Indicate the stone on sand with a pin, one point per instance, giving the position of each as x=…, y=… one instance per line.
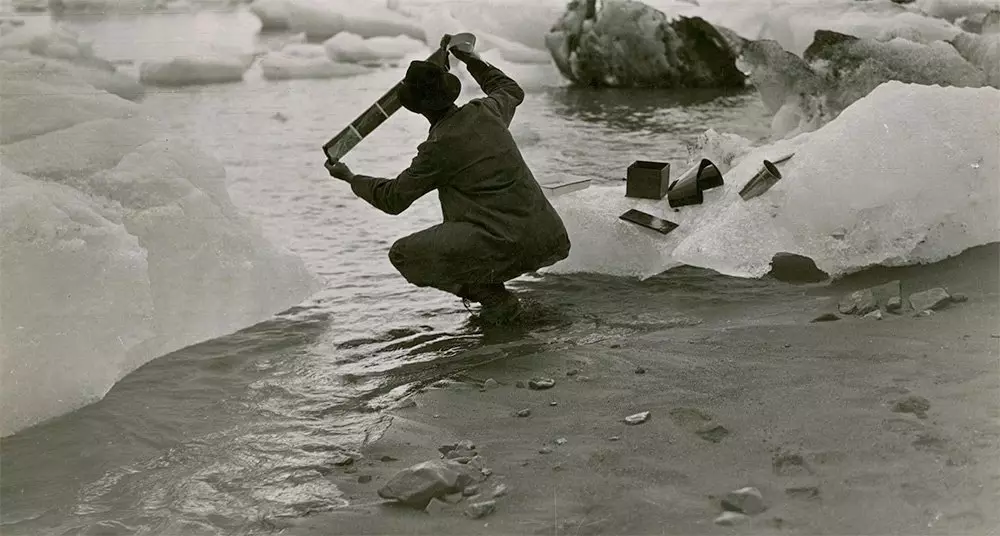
x=478, y=510
x=745, y=500
x=524, y=413
x=490, y=384
x=894, y=304
x=914, y=404
x=827, y=317
x=728, y=519
x=932, y=299
x=539, y=384
x=416, y=485
x=637, y=418
x=859, y=302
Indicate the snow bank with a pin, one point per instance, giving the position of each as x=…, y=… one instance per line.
x=907, y=175
x=118, y=245
x=195, y=70
x=58, y=50
x=297, y=61
x=352, y=48
x=321, y=20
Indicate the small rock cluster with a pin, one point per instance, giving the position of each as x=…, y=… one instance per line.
x=874, y=302
x=458, y=476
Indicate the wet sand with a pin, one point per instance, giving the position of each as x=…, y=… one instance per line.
x=808, y=411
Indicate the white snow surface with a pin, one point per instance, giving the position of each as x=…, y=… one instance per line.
x=195, y=70
x=117, y=245
x=907, y=175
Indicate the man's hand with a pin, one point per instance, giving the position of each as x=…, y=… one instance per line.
x=459, y=51
x=339, y=171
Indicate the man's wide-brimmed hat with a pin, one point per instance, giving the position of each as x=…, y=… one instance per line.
x=427, y=87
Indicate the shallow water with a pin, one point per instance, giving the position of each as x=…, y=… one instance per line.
x=219, y=437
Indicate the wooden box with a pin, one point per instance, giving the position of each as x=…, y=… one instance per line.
x=647, y=180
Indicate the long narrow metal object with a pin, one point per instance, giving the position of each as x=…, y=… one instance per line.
x=385, y=107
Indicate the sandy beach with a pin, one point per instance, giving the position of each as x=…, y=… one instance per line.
x=805, y=412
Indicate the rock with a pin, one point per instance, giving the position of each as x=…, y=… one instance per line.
x=553, y=403
x=490, y=384
x=364, y=479
x=572, y=372
x=745, y=500
x=637, y=418
x=640, y=370
x=791, y=268
x=545, y=450
x=914, y=404
x=623, y=43
x=714, y=433
x=728, y=519
x=416, y=485
x=480, y=509
x=540, y=384
x=343, y=460
x=958, y=297
x=486, y=471
x=500, y=490
x=561, y=441
x=874, y=315
x=459, y=453
x=388, y=459
x=583, y=379
x=524, y=413
x=828, y=317
x=930, y=300
x=894, y=304
x=859, y=302
x=469, y=491
x=520, y=384
x=614, y=438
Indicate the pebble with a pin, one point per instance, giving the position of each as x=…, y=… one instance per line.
x=539, y=384
x=520, y=384
x=714, y=434
x=553, y=403
x=874, y=315
x=637, y=418
x=490, y=384
x=583, y=378
x=486, y=471
x=524, y=413
x=469, y=491
x=745, y=500
x=500, y=490
x=828, y=317
x=804, y=492
x=914, y=404
x=640, y=370
x=342, y=460
x=927, y=312
x=932, y=299
x=958, y=297
x=894, y=304
x=480, y=509
x=614, y=438
x=728, y=519
x=545, y=450
x=364, y=479
x=572, y=372
x=561, y=441
x=388, y=459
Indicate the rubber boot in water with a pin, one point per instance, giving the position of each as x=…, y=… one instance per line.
x=501, y=307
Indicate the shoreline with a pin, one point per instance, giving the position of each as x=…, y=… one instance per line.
x=813, y=415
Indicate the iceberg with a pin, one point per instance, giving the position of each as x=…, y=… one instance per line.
x=305, y=61
x=347, y=47
x=58, y=51
x=322, y=20
x=195, y=70
x=983, y=51
x=117, y=245
x=839, y=69
x=273, y=14
x=909, y=174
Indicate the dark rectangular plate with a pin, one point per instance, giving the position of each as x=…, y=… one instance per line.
x=649, y=221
